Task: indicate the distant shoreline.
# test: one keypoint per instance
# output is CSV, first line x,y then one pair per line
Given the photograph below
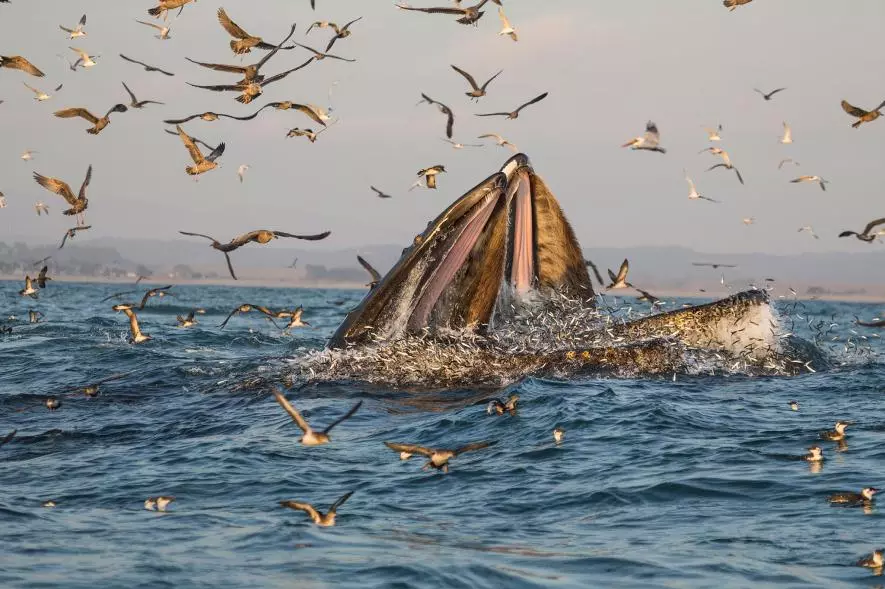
x,y
663,293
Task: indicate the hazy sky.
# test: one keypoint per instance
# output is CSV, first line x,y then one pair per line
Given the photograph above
x,y
609,66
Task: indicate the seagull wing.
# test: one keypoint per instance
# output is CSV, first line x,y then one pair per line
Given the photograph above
x,y
231,27
376,276
306,507
216,152
314,237
230,266
212,239
192,148
220,67
473,446
57,186
347,415
853,110
231,314
595,271
489,81
180,121
468,77
410,448
309,112
443,10
131,95
69,113
129,59
873,224
622,271
533,101
290,409
334,507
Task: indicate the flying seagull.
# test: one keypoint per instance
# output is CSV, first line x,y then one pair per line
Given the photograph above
x,y
862,115
499,141
197,141
429,175
201,164
478,91
321,519
136,103
166,5
243,42
450,116
515,114
788,160
260,236
312,437
76,31
649,142
866,234
72,233
85,60
506,27
768,96
245,308
714,266
380,194
41,208
817,179
39,95
788,134
620,281
320,55
241,171
469,15
164,31
17,62
250,72
376,276
210,116
340,32
28,154
78,203
732,4
714,134
693,193
147,68
97,123
249,91
160,292
810,230
458,145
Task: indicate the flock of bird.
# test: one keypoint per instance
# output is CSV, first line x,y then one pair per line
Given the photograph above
x,y
253,84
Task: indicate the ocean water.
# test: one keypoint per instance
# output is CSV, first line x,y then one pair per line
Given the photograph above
x,y
658,483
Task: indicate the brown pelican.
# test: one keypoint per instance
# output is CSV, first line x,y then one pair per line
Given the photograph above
x,y
136,103
72,232
201,164
243,42
164,31
506,27
312,437
469,15
649,142
439,457
450,116
17,62
429,175
147,68
97,123
515,114
732,4
862,115
78,203
817,179
500,141
321,519
865,235
767,96
166,5
260,236
478,91
76,31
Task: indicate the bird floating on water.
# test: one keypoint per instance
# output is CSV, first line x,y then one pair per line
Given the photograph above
x,y
158,503
558,434
438,457
312,437
794,405
865,497
876,560
815,454
321,519
500,407
837,433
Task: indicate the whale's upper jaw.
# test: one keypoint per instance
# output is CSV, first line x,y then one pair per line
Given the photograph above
x,y
506,238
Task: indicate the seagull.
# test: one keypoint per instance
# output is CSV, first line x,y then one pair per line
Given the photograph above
x,y
28,155
72,233
84,60
137,336
210,116
506,27
810,230
39,95
732,4
309,133
768,96
558,434
241,171
376,276
515,114
693,193
380,194
147,68
243,42
500,407
167,5
2,201
788,134
164,31
41,208
320,55
748,220
714,134
450,120
260,236
469,15
17,62
478,91
788,160
862,115
78,203
865,235
97,123
340,32
42,277
620,281
456,145
201,164
439,458
245,308
136,103
429,175
728,166
28,290
714,266
316,113
817,179
325,520
78,30
500,141
249,72
311,437
649,142
160,292
249,91
726,161
197,141
293,316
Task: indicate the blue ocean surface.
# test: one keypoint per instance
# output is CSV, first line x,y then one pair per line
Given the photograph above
x,y
691,482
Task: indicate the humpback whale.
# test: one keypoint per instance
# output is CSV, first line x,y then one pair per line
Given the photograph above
x,y
496,289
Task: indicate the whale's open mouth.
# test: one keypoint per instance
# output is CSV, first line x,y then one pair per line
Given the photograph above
x,y
505,239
